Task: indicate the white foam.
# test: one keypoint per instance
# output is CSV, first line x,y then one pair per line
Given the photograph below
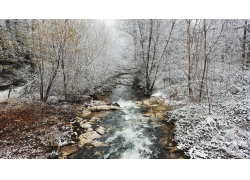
x,y
126,104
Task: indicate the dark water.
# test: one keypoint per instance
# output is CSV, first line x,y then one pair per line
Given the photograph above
x,y
130,135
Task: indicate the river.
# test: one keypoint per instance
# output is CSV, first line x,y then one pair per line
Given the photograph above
x,y
131,135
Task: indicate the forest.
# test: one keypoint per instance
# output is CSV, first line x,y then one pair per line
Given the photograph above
x,y
197,69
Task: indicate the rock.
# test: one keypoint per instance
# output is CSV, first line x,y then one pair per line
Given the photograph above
x,y
170,144
172,149
78,119
72,142
89,129
115,104
68,150
104,108
85,125
86,113
100,130
114,108
235,90
94,119
154,123
97,153
147,115
146,102
161,102
159,116
97,103
138,103
153,101
91,135
83,140
99,144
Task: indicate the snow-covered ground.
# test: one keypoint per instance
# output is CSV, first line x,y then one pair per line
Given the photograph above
x,y
16,92
224,132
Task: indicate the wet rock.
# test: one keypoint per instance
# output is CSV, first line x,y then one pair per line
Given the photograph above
x,y
85,125
100,130
99,144
115,104
138,102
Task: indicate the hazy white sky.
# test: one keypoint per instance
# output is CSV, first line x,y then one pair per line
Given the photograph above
x,y
109,22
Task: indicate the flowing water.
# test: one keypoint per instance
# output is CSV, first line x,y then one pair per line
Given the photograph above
x,y
130,135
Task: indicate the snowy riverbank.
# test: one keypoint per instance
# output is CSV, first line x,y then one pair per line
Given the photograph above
x,y
224,133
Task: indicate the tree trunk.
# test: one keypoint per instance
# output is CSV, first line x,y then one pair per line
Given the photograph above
x,y
189,58
205,59
244,53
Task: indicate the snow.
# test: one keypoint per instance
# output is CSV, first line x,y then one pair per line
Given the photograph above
x,y
16,92
158,94
224,134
